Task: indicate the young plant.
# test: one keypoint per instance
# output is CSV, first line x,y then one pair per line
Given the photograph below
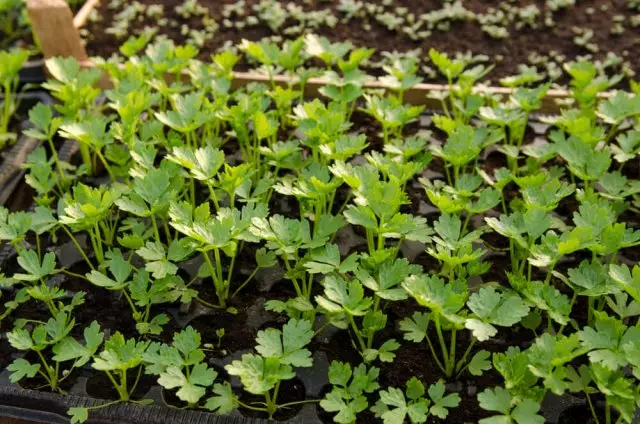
x,y
52,336
149,196
348,395
392,115
292,240
118,357
487,309
226,231
90,209
377,208
75,88
10,64
140,290
278,352
396,405
455,250
181,366
463,147
510,410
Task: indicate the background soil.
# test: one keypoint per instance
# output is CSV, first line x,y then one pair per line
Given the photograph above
x,y
462,36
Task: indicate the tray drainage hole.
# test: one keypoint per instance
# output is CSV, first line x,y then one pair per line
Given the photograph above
x,y
582,414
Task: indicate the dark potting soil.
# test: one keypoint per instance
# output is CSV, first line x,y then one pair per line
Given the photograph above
x,y
6,352
99,386
582,414
462,36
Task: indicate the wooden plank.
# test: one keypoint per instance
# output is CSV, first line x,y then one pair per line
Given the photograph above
x,y
83,14
52,23
420,94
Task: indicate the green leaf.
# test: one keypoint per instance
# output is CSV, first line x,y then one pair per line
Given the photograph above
x,y
323,260
29,261
258,374
496,399
119,353
224,400
343,296
492,307
480,363
287,345
526,412
441,298
78,414
415,327
415,389
192,388
21,368
442,403
69,348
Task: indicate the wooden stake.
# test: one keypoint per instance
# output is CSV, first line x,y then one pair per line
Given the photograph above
x,y
52,23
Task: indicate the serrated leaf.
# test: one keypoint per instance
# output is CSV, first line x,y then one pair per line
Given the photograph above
x,y
480,363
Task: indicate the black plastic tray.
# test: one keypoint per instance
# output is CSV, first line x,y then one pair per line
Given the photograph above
x,y
14,156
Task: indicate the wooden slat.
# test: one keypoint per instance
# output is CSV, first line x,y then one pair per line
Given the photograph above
x,y
52,23
420,94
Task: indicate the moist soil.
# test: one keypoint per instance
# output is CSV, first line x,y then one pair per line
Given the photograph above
x,y
462,36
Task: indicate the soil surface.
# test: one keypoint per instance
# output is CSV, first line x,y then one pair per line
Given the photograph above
x,y
462,36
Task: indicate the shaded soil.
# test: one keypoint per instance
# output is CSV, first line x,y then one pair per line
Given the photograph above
x,y
99,386
463,36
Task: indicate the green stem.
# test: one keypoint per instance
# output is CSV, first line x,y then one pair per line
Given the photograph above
x,y
363,346
293,279
56,159
230,272
462,363
77,245
106,165
124,396
205,303
249,278
452,352
156,231
300,402
86,157
134,310
593,410
135,383
214,277
216,255
433,353
252,408
443,345
370,242
49,377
